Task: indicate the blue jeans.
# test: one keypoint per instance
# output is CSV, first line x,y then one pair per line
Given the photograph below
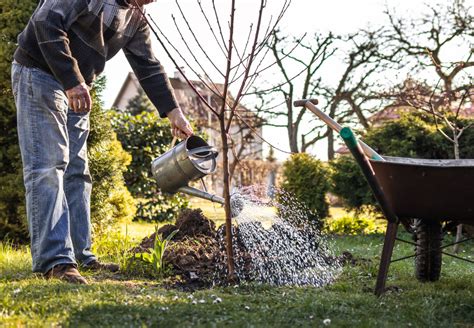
x,y
53,144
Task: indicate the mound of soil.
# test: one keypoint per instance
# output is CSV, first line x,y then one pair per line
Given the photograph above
x,y
193,251
190,223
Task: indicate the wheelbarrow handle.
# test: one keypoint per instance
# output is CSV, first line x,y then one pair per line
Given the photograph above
x,y
302,102
310,105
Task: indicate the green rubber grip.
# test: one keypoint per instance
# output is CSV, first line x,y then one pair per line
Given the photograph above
x,y
349,137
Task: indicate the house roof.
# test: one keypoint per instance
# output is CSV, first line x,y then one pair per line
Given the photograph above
x,y
186,97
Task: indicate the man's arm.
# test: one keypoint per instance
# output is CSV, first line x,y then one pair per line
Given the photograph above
x,y
52,21
154,81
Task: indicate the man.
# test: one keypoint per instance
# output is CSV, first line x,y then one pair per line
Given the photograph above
x,y
62,49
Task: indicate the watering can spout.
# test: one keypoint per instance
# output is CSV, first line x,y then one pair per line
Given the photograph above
x,y
201,194
236,200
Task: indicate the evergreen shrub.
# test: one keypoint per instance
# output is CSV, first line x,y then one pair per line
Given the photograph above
x,y
306,178
145,136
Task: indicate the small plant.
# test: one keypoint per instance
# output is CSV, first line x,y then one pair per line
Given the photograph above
x,y
115,247
155,256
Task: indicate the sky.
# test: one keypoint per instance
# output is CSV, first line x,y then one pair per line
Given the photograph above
x,y
303,16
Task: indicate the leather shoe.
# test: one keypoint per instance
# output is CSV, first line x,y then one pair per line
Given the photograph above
x,y
66,272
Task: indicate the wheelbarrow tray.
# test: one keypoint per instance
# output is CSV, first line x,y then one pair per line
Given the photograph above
x,y
428,189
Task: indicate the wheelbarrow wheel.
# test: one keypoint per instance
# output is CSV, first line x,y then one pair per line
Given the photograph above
x,y
428,250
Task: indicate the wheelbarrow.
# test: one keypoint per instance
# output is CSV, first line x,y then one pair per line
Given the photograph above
x,y
421,194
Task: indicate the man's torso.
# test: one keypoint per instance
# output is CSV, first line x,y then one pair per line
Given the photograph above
x,y
96,34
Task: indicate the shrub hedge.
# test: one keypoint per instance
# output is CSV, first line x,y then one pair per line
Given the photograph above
x,y
111,202
306,178
145,136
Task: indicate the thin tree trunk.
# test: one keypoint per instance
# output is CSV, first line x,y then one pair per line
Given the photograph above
x,y
330,144
291,127
456,144
228,218
293,140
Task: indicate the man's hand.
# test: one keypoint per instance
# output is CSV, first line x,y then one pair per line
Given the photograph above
x,y
79,98
180,126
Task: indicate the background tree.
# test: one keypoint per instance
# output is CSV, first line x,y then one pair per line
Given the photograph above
x,y
424,45
353,95
357,92
238,64
276,101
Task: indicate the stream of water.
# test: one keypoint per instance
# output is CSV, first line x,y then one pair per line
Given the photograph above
x,y
276,242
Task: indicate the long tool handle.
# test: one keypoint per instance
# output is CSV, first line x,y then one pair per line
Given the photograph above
x,y
310,105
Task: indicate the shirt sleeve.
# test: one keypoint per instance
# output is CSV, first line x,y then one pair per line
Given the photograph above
x,y
52,20
149,72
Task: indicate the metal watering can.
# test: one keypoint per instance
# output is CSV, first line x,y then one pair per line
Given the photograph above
x,y
189,160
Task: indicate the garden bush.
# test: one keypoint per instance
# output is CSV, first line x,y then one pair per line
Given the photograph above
x,y
349,184
145,136
354,225
306,178
111,202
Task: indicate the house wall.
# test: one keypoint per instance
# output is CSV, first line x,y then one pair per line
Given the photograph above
x,y
127,92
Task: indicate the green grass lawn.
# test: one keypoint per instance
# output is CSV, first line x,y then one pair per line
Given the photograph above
x,y
121,300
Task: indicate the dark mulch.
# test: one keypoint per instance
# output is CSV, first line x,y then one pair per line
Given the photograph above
x,y
193,251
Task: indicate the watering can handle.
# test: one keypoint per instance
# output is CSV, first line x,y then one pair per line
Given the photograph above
x,y
173,142
213,154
